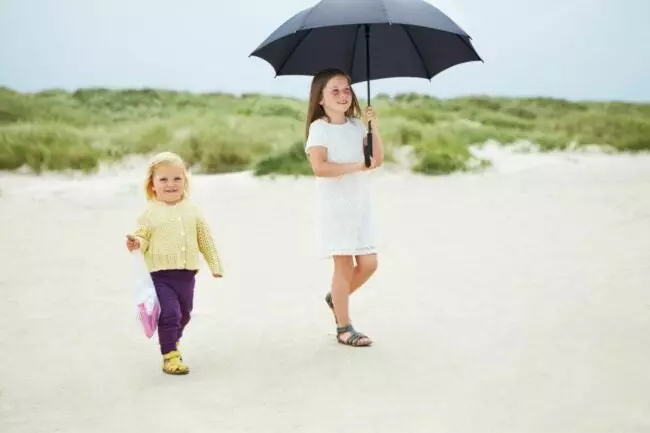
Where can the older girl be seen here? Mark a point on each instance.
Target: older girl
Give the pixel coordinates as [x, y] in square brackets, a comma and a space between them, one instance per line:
[345, 218]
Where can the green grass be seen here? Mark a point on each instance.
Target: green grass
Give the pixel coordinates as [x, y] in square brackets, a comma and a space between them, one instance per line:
[217, 132]
[291, 161]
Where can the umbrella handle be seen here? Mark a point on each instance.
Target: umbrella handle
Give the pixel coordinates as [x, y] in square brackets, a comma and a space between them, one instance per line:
[367, 149]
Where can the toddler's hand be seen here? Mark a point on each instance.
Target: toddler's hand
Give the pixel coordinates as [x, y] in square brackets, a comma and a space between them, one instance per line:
[132, 243]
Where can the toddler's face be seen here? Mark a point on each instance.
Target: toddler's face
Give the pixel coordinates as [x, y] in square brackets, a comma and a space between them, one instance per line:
[337, 95]
[169, 182]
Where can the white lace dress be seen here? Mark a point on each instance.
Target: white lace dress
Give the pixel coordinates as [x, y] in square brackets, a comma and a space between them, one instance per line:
[345, 220]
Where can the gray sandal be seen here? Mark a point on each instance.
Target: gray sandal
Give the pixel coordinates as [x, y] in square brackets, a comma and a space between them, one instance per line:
[353, 339]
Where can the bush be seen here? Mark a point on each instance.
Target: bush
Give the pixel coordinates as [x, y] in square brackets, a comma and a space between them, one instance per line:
[599, 127]
[217, 132]
[142, 138]
[45, 147]
[291, 161]
[217, 148]
[445, 153]
[401, 131]
[274, 108]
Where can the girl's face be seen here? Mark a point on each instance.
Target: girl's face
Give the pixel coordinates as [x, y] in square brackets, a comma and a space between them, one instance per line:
[169, 182]
[337, 95]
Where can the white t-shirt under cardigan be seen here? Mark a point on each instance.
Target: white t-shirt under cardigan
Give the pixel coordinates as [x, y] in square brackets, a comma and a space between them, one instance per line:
[345, 219]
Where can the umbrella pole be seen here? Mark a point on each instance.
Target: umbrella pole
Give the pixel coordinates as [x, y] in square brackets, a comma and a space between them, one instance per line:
[368, 148]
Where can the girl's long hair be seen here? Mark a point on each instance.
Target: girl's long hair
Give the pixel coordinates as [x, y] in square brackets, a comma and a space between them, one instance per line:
[318, 83]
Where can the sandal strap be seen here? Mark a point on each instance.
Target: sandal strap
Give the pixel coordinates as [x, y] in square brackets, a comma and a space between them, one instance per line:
[354, 338]
[171, 355]
[343, 329]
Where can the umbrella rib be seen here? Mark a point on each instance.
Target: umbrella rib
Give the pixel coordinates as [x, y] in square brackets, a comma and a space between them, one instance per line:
[354, 49]
[417, 50]
[304, 20]
[469, 45]
[292, 51]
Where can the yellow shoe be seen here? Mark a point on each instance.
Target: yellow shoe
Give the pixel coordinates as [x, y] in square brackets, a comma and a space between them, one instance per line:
[172, 363]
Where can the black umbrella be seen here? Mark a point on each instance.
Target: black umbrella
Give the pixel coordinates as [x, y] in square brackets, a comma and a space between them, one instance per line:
[407, 38]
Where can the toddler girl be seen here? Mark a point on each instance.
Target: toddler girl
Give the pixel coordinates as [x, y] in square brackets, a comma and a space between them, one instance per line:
[171, 233]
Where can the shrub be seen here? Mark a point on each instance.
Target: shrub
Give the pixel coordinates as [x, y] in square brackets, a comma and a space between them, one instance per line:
[45, 147]
[290, 161]
[56, 130]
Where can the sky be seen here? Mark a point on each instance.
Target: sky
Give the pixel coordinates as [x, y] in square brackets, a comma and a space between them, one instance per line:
[572, 49]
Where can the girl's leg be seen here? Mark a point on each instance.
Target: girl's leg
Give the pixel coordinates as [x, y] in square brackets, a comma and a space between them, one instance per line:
[343, 270]
[341, 279]
[170, 313]
[365, 268]
[169, 323]
[185, 292]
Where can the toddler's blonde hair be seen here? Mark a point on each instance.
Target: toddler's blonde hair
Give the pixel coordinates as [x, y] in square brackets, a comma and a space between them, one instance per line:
[161, 159]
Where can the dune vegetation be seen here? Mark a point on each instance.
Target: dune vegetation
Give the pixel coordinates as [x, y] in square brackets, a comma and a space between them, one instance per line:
[56, 130]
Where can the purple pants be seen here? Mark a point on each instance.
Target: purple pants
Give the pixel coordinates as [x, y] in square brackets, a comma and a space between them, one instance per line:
[175, 290]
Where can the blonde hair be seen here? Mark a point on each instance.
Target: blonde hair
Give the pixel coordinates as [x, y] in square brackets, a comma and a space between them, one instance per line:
[161, 159]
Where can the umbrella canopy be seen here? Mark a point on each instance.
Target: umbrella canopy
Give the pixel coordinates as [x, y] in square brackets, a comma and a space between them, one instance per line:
[368, 39]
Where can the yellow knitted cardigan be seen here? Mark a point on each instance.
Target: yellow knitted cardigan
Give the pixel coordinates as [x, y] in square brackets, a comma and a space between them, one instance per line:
[171, 237]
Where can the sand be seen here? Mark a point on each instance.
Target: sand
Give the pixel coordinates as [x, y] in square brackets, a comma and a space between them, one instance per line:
[514, 300]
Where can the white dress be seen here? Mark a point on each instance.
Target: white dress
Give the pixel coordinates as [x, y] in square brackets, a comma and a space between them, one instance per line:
[345, 219]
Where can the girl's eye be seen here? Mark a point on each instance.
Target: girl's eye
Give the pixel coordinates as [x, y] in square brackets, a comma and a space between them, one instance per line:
[177, 178]
[163, 179]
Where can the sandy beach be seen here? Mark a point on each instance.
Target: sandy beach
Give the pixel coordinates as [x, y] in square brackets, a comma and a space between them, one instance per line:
[511, 301]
